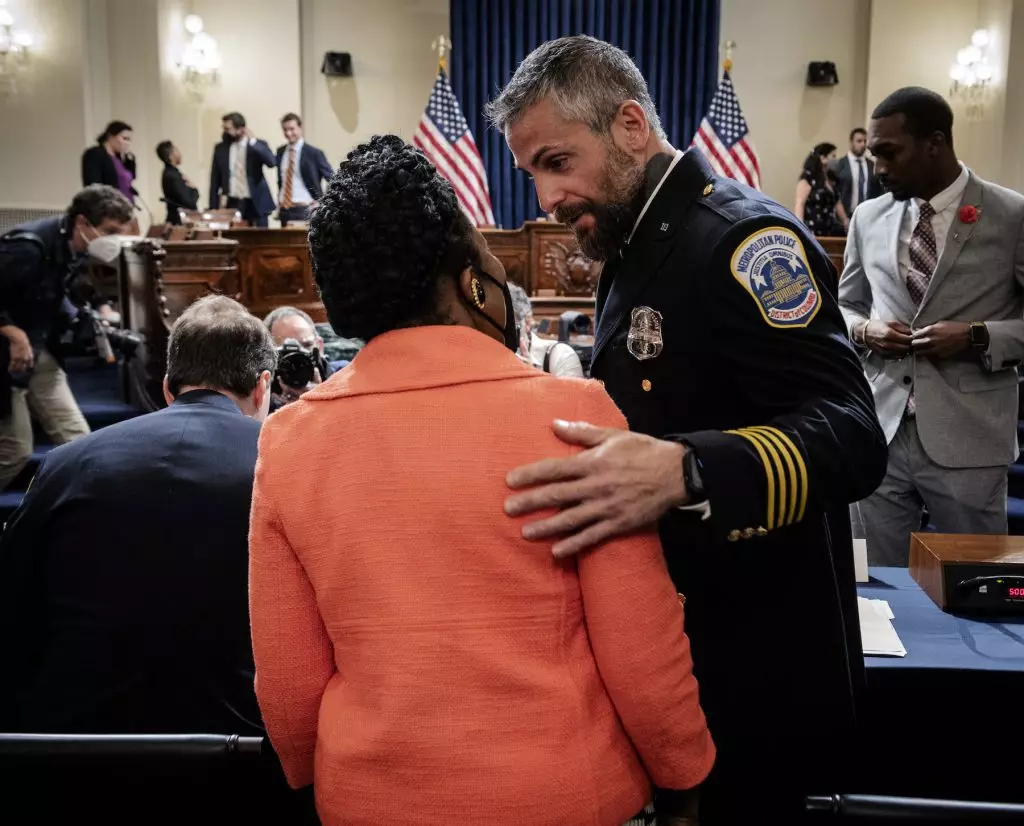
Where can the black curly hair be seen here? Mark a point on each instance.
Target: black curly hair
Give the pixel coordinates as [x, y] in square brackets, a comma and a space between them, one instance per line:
[386, 233]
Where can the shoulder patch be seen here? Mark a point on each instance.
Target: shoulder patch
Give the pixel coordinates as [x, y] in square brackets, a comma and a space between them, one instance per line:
[772, 266]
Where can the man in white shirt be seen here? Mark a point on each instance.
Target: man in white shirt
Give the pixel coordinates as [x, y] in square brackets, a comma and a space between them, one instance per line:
[236, 174]
[932, 293]
[855, 174]
[555, 357]
[301, 171]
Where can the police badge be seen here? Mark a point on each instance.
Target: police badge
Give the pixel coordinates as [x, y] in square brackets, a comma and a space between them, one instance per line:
[644, 340]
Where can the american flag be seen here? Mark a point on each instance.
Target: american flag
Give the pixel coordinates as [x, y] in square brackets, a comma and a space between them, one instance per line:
[444, 137]
[724, 139]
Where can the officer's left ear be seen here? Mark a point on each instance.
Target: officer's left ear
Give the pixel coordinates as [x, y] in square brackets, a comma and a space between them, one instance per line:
[630, 129]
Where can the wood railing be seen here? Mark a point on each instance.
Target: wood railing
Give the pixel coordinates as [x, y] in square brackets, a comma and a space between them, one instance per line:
[269, 268]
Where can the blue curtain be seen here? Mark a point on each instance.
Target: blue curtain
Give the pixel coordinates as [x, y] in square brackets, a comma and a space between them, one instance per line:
[674, 43]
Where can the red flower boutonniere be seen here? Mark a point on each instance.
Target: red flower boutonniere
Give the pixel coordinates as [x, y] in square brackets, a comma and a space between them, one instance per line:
[968, 214]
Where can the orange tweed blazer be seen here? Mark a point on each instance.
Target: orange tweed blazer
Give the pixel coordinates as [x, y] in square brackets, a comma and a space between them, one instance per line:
[416, 658]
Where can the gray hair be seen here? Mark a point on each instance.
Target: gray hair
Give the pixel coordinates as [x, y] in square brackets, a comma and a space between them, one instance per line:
[217, 344]
[586, 79]
[521, 305]
[282, 313]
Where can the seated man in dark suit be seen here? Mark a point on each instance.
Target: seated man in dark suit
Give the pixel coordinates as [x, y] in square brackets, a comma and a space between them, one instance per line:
[124, 574]
[179, 193]
[236, 174]
[298, 193]
[854, 173]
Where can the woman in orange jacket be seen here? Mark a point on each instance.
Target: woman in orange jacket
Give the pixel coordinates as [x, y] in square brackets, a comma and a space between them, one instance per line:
[417, 659]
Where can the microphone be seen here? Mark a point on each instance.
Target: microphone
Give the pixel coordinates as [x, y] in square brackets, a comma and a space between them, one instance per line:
[152, 220]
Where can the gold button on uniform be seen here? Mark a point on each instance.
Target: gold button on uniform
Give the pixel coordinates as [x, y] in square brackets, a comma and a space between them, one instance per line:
[646, 385]
[734, 536]
[708, 190]
[748, 533]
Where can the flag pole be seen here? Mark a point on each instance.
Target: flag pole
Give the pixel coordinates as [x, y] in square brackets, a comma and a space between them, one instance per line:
[727, 63]
[443, 46]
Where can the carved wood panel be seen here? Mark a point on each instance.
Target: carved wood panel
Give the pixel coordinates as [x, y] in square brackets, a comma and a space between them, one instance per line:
[276, 270]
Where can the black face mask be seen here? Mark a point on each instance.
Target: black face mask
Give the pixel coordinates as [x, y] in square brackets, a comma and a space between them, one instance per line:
[509, 331]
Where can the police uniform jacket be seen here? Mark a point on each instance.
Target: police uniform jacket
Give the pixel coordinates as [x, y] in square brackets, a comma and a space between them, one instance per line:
[35, 263]
[745, 358]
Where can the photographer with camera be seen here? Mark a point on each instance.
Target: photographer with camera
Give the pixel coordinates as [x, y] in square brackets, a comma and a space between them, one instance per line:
[38, 260]
[301, 365]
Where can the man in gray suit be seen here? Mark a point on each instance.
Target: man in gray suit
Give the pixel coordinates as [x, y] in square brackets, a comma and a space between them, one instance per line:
[932, 293]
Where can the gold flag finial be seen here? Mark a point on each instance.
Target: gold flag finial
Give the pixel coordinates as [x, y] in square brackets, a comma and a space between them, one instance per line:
[727, 63]
[443, 46]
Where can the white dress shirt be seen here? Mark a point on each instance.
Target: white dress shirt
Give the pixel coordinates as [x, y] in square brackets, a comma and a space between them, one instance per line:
[657, 189]
[945, 205]
[855, 167]
[238, 185]
[300, 194]
[563, 361]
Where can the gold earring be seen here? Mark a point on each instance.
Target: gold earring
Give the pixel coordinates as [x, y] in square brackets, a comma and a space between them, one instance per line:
[479, 296]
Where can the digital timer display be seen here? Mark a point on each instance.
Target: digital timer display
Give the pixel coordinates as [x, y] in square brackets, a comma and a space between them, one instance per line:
[1016, 593]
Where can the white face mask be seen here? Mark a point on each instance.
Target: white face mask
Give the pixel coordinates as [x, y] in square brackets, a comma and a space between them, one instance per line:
[104, 248]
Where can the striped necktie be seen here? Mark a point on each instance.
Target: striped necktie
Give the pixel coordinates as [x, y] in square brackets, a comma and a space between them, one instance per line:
[923, 260]
[286, 191]
[923, 254]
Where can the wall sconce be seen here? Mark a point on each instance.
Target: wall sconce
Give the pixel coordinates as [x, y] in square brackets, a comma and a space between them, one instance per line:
[972, 74]
[15, 46]
[201, 58]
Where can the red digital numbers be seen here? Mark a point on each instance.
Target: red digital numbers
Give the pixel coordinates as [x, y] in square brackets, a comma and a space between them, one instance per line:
[1016, 593]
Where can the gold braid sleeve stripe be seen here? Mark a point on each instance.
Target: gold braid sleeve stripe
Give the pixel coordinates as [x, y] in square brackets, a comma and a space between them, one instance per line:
[801, 469]
[780, 478]
[769, 475]
[776, 438]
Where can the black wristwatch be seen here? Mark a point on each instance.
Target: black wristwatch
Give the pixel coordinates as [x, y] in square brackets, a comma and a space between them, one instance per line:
[978, 332]
[692, 478]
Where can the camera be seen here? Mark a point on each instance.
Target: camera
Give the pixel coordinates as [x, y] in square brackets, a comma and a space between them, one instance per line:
[109, 341]
[296, 365]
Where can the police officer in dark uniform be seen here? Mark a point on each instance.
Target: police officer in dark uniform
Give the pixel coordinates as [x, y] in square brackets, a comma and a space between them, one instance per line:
[37, 262]
[720, 336]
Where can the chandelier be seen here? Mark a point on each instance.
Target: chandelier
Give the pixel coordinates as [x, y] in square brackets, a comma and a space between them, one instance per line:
[971, 74]
[15, 46]
[200, 60]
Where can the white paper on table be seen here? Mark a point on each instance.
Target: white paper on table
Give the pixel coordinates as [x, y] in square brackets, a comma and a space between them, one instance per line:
[878, 637]
[860, 559]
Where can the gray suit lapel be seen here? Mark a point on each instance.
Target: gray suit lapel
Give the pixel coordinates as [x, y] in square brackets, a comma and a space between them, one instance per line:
[893, 221]
[959, 233]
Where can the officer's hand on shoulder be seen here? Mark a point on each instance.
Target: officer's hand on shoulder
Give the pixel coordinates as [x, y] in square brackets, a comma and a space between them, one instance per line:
[622, 483]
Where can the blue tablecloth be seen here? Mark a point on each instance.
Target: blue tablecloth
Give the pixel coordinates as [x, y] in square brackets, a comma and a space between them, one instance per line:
[936, 640]
[944, 720]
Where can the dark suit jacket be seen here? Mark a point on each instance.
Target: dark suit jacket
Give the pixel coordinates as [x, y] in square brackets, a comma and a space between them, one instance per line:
[177, 193]
[844, 175]
[313, 167]
[123, 580]
[257, 156]
[98, 168]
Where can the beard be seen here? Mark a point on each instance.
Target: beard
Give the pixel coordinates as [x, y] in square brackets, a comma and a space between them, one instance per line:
[614, 216]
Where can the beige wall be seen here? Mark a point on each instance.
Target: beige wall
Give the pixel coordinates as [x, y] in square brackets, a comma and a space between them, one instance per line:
[42, 127]
[775, 42]
[260, 77]
[393, 68]
[103, 59]
[1013, 126]
[914, 43]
